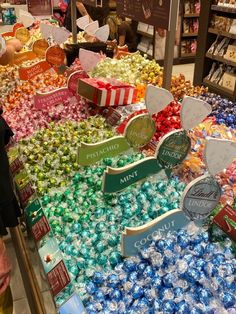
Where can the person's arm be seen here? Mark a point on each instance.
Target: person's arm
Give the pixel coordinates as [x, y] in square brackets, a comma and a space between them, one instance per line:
[8, 50]
[82, 9]
[122, 34]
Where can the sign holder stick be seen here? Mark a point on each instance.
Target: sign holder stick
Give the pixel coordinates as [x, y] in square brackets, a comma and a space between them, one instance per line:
[73, 21]
[170, 43]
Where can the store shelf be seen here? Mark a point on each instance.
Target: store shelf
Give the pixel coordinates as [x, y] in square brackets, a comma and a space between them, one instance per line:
[145, 34]
[145, 53]
[189, 15]
[189, 34]
[221, 59]
[224, 9]
[188, 55]
[217, 88]
[222, 33]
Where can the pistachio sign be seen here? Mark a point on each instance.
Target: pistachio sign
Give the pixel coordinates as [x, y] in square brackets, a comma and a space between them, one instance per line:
[171, 151]
[203, 194]
[138, 133]
[142, 128]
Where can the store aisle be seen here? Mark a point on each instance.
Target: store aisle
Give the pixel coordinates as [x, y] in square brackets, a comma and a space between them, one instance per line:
[18, 292]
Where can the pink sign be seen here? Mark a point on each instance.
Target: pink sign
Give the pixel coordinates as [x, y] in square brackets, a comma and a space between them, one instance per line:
[46, 100]
[73, 80]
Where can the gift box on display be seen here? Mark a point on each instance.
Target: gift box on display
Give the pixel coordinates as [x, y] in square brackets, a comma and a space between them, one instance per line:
[107, 93]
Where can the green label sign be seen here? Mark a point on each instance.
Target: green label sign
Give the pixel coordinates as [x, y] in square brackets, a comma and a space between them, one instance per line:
[118, 179]
[173, 149]
[34, 212]
[140, 130]
[135, 239]
[91, 153]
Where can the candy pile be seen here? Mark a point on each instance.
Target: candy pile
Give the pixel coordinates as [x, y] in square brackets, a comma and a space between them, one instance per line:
[24, 118]
[136, 69]
[194, 165]
[88, 224]
[9, 79]
[180, 87]
[133, 69]
[167, 120]
[50, 155]
[182, 273]
[223, 109]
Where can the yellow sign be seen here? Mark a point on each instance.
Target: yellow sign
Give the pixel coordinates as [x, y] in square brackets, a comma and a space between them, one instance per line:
[22, 34]
[39, 47]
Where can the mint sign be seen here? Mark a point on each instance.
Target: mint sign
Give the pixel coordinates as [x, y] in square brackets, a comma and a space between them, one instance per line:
[171, 151]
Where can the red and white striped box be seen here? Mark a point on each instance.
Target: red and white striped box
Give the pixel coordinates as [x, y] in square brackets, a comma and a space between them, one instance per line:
[107, 93]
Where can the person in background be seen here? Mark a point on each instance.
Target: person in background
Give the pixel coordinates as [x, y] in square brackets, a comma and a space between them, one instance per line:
[9, 208]
[125, 32]
[81, 11]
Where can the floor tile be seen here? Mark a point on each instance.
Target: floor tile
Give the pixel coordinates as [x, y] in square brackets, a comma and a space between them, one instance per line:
[17, 287]
[21, 307]
[48, 302]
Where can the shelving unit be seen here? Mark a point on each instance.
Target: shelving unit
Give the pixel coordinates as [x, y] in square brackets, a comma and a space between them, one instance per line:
[187, 57]
[189, 34]
[207, 35]
[184, 57]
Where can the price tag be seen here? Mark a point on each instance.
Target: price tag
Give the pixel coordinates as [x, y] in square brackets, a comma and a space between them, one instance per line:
[14, 160]
[226, 221]
[231, 53]
[24, 188]
[73, 305]
[37, 220]
[54, 266]
[228, 81]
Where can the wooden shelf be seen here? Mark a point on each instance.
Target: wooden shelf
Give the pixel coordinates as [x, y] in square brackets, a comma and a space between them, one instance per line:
[188, 55]
[218, 89]
[222, 33]
[224, 9]
[189, 15]
[189, 34]
[145, 34]
[221, 59]
[145, 53]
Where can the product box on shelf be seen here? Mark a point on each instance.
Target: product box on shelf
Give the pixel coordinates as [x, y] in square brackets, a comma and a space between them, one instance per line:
[107, 93]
